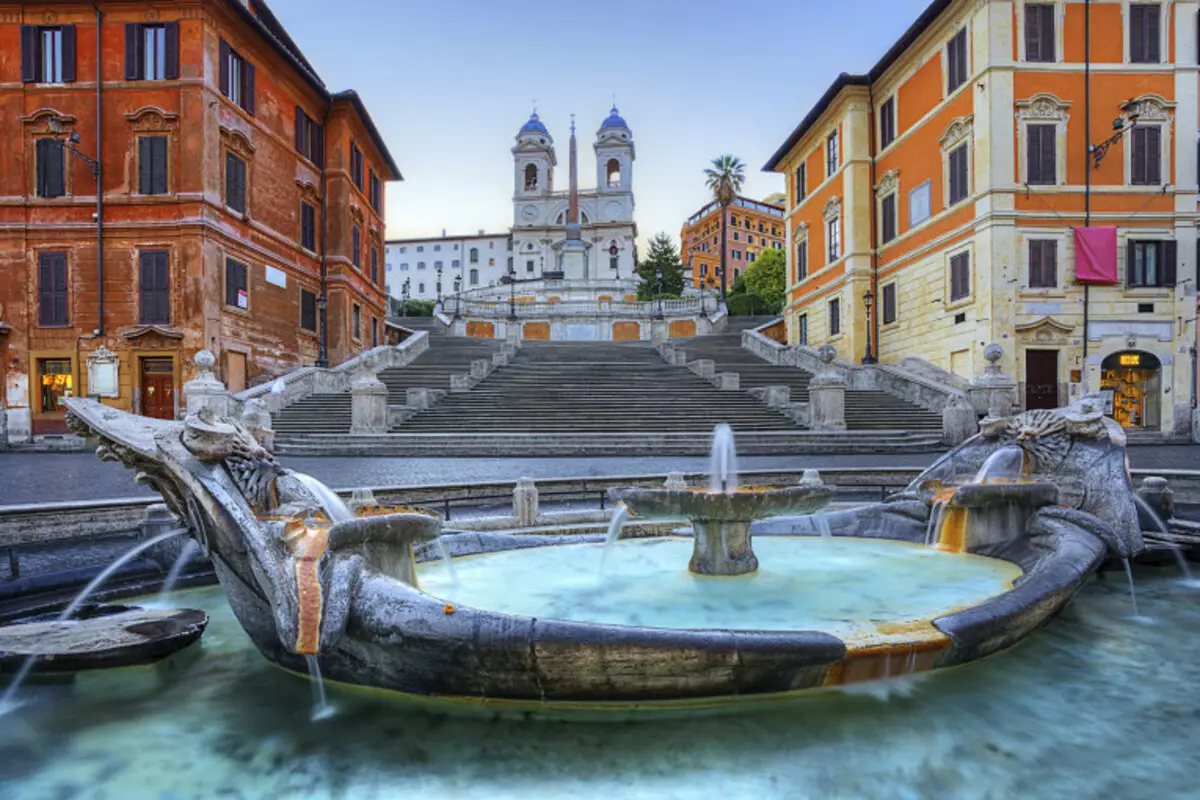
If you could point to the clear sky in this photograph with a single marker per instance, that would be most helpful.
(450, 82)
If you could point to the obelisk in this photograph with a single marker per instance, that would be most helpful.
(574, 255)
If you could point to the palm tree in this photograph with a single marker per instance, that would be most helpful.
(725, 178)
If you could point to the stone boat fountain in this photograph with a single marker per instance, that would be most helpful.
(305, 582)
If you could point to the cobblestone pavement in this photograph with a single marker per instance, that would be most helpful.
(64, 477)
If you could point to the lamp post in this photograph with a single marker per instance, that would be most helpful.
(721, 275)
(614, 252)
(868, 301)
(658, 274)
(512, 292)
(1131, 111)
(439, 284)
(703, 311)
(404, 297)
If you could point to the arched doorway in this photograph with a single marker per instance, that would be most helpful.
(1134, 378)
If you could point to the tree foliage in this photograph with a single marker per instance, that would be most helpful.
(762, 288)
(662, 254)
(725, 178)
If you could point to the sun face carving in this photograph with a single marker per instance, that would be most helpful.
(1042, 434)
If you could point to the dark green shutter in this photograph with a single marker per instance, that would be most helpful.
(133, 51)
(29, 53)
(1170, 257)
(172, 51)
(68, 53)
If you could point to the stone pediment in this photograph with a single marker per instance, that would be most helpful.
(153, 336)
(1044, 329)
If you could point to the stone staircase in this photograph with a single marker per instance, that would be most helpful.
(865, 409)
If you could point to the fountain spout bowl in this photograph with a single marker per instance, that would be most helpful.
(721, 520)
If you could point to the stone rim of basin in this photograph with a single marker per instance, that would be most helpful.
(741, 505)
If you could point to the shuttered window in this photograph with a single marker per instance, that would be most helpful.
(803, 325)
(832, 160)
(1043, 263)
(1146, 159)
(308, 310)
(887, 218)
(1150, 263)
(52, 290)
(51, 168)
(356, 322)
(374, 331)
(887, 123)
(960, 276)
(1145, 32)
(1039, 32)
(374, 264)
(154, 286)
(833, 234)
(236, 78)
(235, 183)
(956, 61)
(356, 245)
(151, 52)
(47, 54)
(152, 164)
(308, 227)
(237, 291)
(959, 178)
(835, 317)
(1042, 154)
(356, 165)
(310, 138)
(802, 260)
(889, 303)
(801, 182)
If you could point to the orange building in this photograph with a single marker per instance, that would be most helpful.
(753, 227)
(947, 183)
(241, 211)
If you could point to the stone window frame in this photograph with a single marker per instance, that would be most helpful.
(172, 262)
(801, 237)
(944, 51)
(1062, 238)
(1060, 11)
(948, 254)
(887, 186)
(236, 142)
(1164, 31)
(895, 283)
(1043, 108)
(894, 97)
(830, 214)
(37, 126)
(1157, 112)
(308, 193)
(961, 130)
(153, 121)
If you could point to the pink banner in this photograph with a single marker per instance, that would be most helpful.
(1096, 255)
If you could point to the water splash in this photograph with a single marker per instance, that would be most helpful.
(447, 561)
(7, 702)
(1132, 591)
(334, 506)
(936, 512)
(321, 708)
(821, 520)
(1177, 551)
(722, 470)
(185, 555)
(1006, 464)
(619, 518)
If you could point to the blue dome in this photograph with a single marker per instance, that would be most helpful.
(534, 125)
(614, 120)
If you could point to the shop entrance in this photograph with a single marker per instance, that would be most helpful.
(1134, 380)
(158, 388)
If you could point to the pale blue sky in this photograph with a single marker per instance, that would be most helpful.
(450, 82)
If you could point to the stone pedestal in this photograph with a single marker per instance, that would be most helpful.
(703, 367)
(722, 548)
(257, 420)
(418, 398)
(460, 383)
(827, 395)
(728, 381)
(574, 260)
(777, 396)
(1159, 497)
(525, 502)
(205, 391)
(992, 392)
(958, 421)
(368, 405)
(480, 368)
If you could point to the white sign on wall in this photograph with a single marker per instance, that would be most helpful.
(277, 277)
(920, 204)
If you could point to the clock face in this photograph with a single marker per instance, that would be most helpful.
(529, 212)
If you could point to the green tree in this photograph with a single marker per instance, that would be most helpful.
(662, 255)
(725, 179)
(765, 280)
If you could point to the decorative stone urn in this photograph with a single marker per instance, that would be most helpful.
(827, 394)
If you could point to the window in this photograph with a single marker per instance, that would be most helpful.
(1145, 28)
(51, 168)
(420, 248)
(737, 255)
(437, 265)
(491, 262)
(376, 192)
(356, 321)
(237, 293)
(1146, 158)
(374, 331)
(356, 246)
(956, 61)
(958, 174)
(531, 177)
(835, 317)
(920, 204)
(437, 248)
(356, 165)
(1041, 152)
(474, 255)
(154, 287)
(151, 52)
(403, 249)
(803, 326)
(1043, 263)
(751, 256)
(749, 239)
(420, 288)
(404, 267)
(236, 78)
(420, 265)
(612, 262)
(613, 172)
(310, 138)
(736, 236)
(889, 303)
(887, 123)
(474, 277)
(831, 154)
(308, 310)
(308, 227)
(529, 266)
(1150, 263)
(802, 260)
(374, 264)
(47, 54)
(887, 217)
(52, 290)
(152, 165)
(1039, 32)
(960, 276)
(455, 263)
(833, 232)
(235, 183)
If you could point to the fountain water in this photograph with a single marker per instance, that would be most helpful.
(822, 522)
(447, 561)
(947, 522)
(1006, 464)
(6, 700)
(334, 506)
(1146, 509)
(186, 554)
(615, 526)
(1132, 591)
(321, 708)
(722, 470)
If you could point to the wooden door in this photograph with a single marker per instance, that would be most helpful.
(235, 371)
(1041, 379)
(158, 388)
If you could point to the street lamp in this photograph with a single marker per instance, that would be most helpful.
(512, 292)
(404, 297)
(721, 275)
(439, 284)
(868, 300)
(58, 125)
(703, 311)
(658, 274)
(457, 296)
(1131, 111)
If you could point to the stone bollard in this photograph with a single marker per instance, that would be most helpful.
(460, 383)
(679, 358)
(362, 498)
(500, 359)
(827, 394)
(368, 405)
(675, 480)
(525, 502)
(797, 413)
(958, 421)
(418, 398)
(703, 367)
(992, 392)
(728, 381)
(205, 391)
(1159, 497)
(777, 396)
(811, 478)
(257, 420)
(157, 520)
(480, 368)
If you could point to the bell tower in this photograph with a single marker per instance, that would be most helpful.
(614, 156)
(533, 161)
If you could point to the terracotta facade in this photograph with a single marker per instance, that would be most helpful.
(753, 226)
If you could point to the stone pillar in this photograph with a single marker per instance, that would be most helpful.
(777, 396)
(827, 395)
(499, 359)
(992, 392)
(1159, 497)
(205, 391)
(368, 405)
(257, 420)
(480, 368)
(460, 383)
(525, 502)
(156, 520)
(958, 421)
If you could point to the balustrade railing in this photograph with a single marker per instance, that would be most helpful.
(571, 308)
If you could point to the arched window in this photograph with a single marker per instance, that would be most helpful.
(474, 255)
(531, 176)
(613, 171)
(474, 277)
(613, 255)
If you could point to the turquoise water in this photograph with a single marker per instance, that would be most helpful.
(1095, 705)
(846, 587)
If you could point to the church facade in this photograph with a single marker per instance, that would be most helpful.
(606, 213)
